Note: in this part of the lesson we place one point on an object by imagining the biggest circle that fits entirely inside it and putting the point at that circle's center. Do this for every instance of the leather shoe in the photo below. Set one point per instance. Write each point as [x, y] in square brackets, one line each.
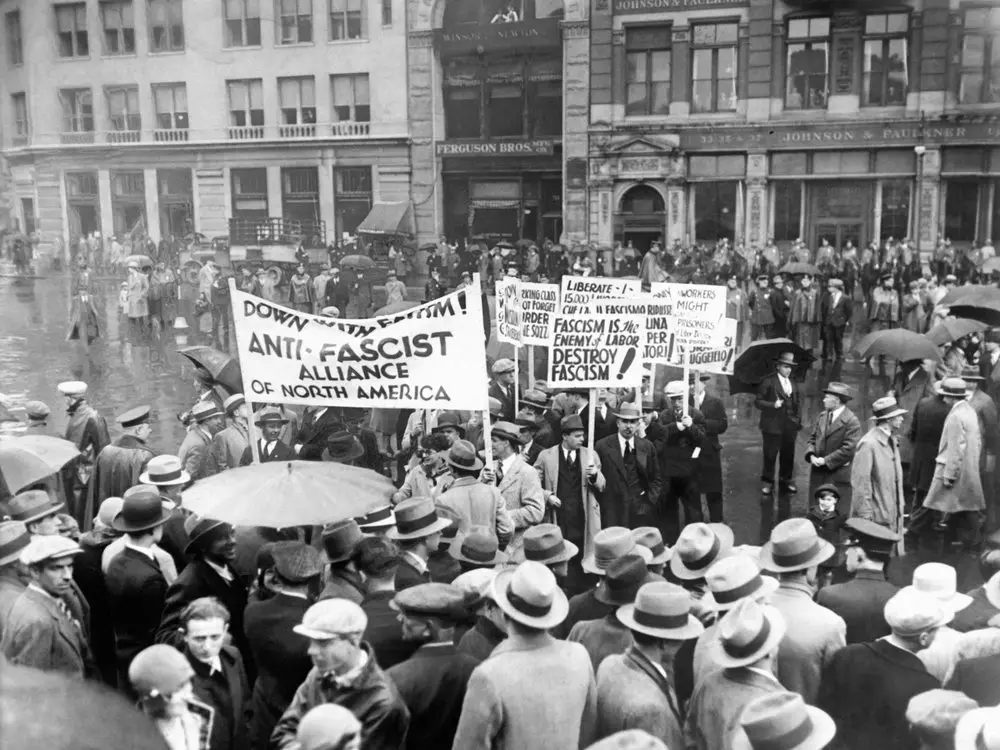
[791, 489]
[767, 489]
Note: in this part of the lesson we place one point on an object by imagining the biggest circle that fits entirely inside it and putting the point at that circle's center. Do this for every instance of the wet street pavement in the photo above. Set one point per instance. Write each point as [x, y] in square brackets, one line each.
[35, 356]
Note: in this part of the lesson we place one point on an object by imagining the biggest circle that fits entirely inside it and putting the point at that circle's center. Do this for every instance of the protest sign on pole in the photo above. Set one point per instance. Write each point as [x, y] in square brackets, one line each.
[579, 292]
[595, 351]
[539, 305]
[508, 311]
[698, 311]
[431, 357]
[717, 360]
[254, 446]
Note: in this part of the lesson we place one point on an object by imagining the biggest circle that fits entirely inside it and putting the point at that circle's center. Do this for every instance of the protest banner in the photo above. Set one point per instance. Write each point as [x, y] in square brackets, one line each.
[715, 359]
[579, 292]
[697, 309]
[539, 305]
[508, 311]
[595, 351]
[430, 357]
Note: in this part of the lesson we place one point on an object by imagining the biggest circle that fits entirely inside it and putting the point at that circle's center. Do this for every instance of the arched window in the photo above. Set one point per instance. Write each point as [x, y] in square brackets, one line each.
[642, 200]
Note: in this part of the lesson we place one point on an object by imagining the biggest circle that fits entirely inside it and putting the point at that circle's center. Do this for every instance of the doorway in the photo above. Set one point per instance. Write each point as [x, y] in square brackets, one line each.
[841, 211]
[837, 233]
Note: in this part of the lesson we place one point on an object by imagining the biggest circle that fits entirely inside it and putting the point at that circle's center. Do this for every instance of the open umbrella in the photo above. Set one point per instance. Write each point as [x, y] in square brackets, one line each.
[282, 494]
[950, 329]
[970, 293]
[428, 246]
[898, 343]
[796, 268]
[225, 370]
[396, 307]
[357, 261]
[27, 459]
[756, 362]
[980, 303]
[144, 261]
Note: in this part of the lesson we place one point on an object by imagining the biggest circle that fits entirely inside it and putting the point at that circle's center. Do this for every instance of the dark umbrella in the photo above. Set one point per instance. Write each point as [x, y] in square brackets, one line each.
[357, 261]
[756, 362]
[898, 343]
[225, 370]
[950, 329]
[797, 268]
[428, 246]
[972, 294]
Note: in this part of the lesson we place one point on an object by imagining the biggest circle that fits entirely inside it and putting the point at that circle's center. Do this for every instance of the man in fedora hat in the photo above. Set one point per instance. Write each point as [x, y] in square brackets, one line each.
[231, 442]
[837, 311]
[715, 423]
[632, 474]
[508, 703]
[989, 423]
[120, 464]
[502, 387]
[867, 686]
[779, 401]
[746, 647]
[783, 721]
[940, 581]
[88, 431]
[678, 450]
[343, 447]
[196, 450]
[475, 502]
[167, 474]
[14, 537]
[805, 316]
[571, 482]
[270, 447]
[136, 585]
[926, 429]
[342, 579]
[37, 510]
[529, 425]
[433, 681]
[876, 473]
[518, 482]
[813, 632]
[450, 425]
[489, 629]
[535, 403]
[163, 558]
[635, 688]
[608, 635]
[417, 532]
[832, 442]
[861, 600]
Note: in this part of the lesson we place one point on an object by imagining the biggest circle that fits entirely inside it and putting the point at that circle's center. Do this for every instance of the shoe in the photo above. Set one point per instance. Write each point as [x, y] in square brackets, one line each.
[767, 489]
[791, 489]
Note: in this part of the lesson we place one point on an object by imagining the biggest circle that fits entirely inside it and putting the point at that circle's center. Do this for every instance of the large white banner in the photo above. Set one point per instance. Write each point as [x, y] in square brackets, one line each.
[595, 351]
[432, 356]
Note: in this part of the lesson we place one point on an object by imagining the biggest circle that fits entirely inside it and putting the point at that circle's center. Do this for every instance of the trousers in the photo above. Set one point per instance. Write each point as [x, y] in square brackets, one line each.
[781, 448]
[678, 493]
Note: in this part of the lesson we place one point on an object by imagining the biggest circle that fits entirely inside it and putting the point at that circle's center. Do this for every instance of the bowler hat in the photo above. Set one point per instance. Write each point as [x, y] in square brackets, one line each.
[507, 431]
[734, 578]
[449, 419]
[698, 546]
[33, 505]
[610, 544]
[296, 562]
[572, 423]
[794, 545]
[841, 390]
[661, 610]
[197, 528]
[478, 548]
[954, 387]
[530, 595]
[342, 447]
[622, 581]
[462, 455]
[628, 411]
[270, 416]
[783, 721]
[431, 600]
[887, 408]
[651, 538]
[786, 358]
[544, 543]
[14, 537]
[340, 539]
[747, 633]
[142, 510]
[165, 470]
[416, 518]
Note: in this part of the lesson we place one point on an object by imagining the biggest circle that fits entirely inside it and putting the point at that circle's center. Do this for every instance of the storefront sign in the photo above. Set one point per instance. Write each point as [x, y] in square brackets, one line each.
[487, 37]
[638, 164]
[622, 7]
[837, 136]
[495, 148]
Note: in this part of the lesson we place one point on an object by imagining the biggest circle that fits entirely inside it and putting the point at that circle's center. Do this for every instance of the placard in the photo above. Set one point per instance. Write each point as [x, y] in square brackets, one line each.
[698, 311]
[539, 307]
[595, 351]
[715, 359]
[578, 292]
[508, 311]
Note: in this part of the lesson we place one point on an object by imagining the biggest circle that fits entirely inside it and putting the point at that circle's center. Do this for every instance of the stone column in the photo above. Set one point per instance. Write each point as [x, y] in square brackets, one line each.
[755, 216]
[680, 74]
[104, 196]
[929, 206]
[602, 208]
[152, 197]
[576, 119]
[423, 88]
[327, 209]
[275, 210]
[676, 203]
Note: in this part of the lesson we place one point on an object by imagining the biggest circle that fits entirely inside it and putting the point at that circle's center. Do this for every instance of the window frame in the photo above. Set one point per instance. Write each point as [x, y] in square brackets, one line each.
[132, 120]
[302, 112]
[335, 15]
[14, 38]
[175, 111]
[248, 110]
[79, 36]
[649, 81]
[715, 46]
[353, 78]
[386, 13]
[886, 38]
[77, 117]
[121, 31]
[19, 119]
[245, 25]
[990, 74]
[807, 42]
[170, 9]
[300, 22]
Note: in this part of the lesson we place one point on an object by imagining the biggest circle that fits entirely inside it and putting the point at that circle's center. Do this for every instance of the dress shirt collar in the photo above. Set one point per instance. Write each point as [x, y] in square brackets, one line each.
[764, 673]
[835, 414]
[786, 383]
[506, 463]
[144, 550]
[416, 561]
[622, 442]
[567, 454]
[526, 447]
[294, 594]
[224, 573]
[347, 680]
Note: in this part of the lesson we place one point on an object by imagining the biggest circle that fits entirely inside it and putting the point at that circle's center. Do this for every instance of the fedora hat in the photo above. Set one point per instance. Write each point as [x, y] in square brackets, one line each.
[954, 387]
[197, 528]
[910, 612]
[786, 358]
[165, 470]
[979, 730]
[342, 447]
[526, 419]
[887, 408]
[610, 544]
[571, 391]
[449, 419]
[462, 455]
[507, 431]
[734, 578]
[205, 410]
[747, 633]
[142, 510]
[841, 390]
[232, 403]
[698, 546]
[622, 581]
[340, 539]
[14, 537]
[651, 538]
[270, 416]
[535, 399]
[661, 610]
[970, 373]
[479, 548]
[794, 545]
[32, 505]
[940, 581]
[380, 518]
[676, 389]
[416, 518]
[628, 411]
[572, 423]
[783, 721]
[544, 543]
[530, 595]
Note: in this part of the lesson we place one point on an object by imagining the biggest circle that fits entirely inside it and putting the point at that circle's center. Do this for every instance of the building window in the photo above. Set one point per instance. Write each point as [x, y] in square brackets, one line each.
[297, 100]
[347, 19]
[713, 67]
[71, 27]
[980, 82]
[961, 209]
[463, 99]
[246, 105]
[123, 110]
[545, 95]
[351, 100]
[242, 23]
[15, 47]
[387, 12]
[118, 23]
[715, 195]
[19, 106]
[353, 197]
[249, 194]
[885, 60]
[166, 25]
[647, 70]
[295, 21]
[895, 209]
[77, 111]
[505, 99]
[170, 101]
[787, 210]
[808, 63]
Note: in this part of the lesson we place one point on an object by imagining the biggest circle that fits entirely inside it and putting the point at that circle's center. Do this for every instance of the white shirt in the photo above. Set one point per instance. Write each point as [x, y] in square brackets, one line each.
[786, 384]
[267, 447]
[214, 665]
[224, 573]
[699, 399]
[568, 454]
[622, 442]
[507, 463]
[836, 413]
[527, 447]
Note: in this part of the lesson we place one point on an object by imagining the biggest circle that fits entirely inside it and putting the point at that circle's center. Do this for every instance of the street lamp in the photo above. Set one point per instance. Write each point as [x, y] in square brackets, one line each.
[919, 151]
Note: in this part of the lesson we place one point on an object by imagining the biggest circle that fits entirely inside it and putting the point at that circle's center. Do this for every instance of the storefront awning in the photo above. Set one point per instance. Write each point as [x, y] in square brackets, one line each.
[388, 218]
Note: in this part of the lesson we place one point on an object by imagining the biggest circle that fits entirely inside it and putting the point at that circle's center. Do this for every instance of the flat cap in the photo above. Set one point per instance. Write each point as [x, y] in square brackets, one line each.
[911, 612]
[42, 548]
[72, 388]
[476, 585]
[37, 410]
[937, 711]
[329, 618]
[134, 417]
[432, 600]
[503, 365]
[297, 562]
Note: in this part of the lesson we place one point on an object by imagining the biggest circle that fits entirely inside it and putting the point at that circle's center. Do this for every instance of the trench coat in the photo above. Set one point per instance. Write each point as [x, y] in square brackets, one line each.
[522, 492]
[547, 466]
[196, 454]
[958, 461]
[909, 394]
[228, 445]
[138, 296]
[633, 694]
[476, 504]
[877, 478]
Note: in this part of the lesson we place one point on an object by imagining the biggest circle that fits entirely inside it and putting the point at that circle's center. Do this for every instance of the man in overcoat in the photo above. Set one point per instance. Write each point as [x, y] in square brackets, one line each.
[502, 387]
[715, 423]
[926, 429]
[632, 474]
[229, 444]
[832, 443]
[911, 385]
[518, 482]
[876, 474]
[989, 424]
[196, 449]
[88, 431]
[779, 401]
[476, 503]
[678, 450]
[120, 464]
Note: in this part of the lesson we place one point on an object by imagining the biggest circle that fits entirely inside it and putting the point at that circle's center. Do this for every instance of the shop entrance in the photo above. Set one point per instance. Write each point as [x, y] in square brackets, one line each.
[642, 241]
[841, 211]
[837, 233]
[641, 218]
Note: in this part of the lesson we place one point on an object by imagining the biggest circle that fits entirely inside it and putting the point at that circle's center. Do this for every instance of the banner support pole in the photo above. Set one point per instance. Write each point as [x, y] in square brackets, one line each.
[531, 366]
[517, 376]
[252, 432]
[687, 377]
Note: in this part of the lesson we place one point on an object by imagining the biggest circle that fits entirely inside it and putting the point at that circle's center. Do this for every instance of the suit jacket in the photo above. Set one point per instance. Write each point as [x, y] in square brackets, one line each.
[280, 452]
[432, 684]
[787, 417]
[860, 602]
[39, 634]
[508, 703]
[977, 678]
[717, 702]
[675, 447]
[547, 466]
[196, 453]
[838, 315]
[229, 732]
[530, 452]
[89, 576]
[229, 445]
[633, 694]
[834, 442]
[924, 435]
[384, 632]
[866, 689]
[909, 393]
[813, 635]
[408, 576]
[137, 591]
[12, 584]
[506, 401]
[602, 638]
[603, 426]
[521, 490]
[314, 431]
[282, 659]
[617, 507]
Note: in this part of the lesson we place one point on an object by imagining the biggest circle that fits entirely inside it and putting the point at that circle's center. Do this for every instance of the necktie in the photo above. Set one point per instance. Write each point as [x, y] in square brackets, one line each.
[499, 472]
[628, 449]
[64, 608]
[571, 458]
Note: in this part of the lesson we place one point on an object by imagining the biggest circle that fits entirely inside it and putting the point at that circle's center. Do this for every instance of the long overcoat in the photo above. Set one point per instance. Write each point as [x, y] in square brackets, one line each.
[958, 461]
[547, 466]
[877, 479]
